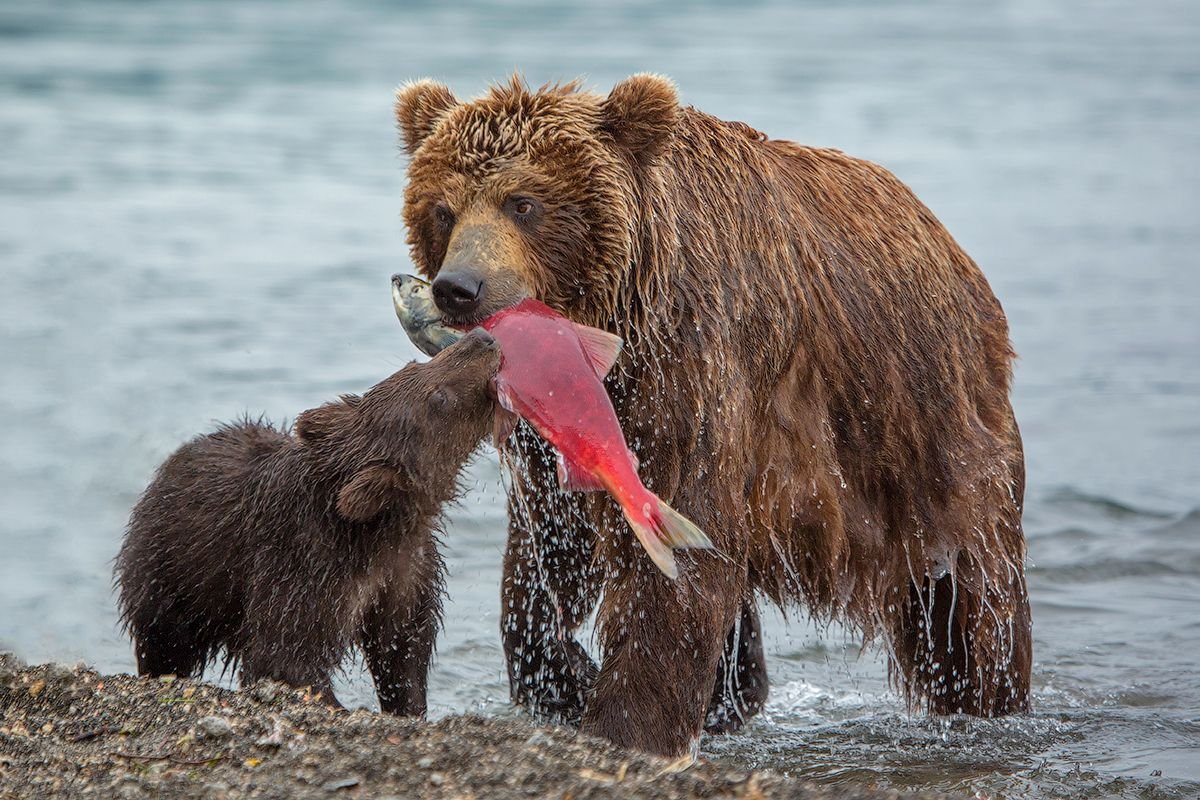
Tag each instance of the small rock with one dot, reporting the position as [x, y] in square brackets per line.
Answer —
[214, 727]
[274, 738]
[340, 783]
[265, 691]
[537, 738]
[437, 779]
[59, 673]
[424, 762]
[127, 788]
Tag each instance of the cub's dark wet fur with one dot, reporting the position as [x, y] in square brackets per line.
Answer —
[284, 549]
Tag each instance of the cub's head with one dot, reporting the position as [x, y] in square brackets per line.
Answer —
[529, 193]
[406, 439]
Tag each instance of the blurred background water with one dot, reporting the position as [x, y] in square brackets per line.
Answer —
[199, 213]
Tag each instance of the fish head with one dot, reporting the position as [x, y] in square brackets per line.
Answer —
[424, 323]
[532, 192]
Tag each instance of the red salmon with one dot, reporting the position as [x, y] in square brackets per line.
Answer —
[551, 373]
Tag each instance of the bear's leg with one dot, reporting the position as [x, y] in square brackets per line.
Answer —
[741, 688]
[164, 645]
[398, 635]
[295, 641]
[544, 598]
[964, 651]
[662, 640]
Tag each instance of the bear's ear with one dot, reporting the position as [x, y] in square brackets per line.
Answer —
[419, 107]
[371, 491]
[640, 113]
[318, 423]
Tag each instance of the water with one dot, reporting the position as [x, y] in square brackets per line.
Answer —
[200, 213]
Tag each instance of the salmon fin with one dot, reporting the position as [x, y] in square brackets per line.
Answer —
[504, 396]
[574, 478]
[504, 422]
[658, 551]
[678, 531]
[664, 532]
[601, 348]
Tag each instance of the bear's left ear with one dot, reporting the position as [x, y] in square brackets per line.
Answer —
[371, 491]
[419, 107]
[640, 113]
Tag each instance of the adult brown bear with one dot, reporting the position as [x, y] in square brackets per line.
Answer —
[814, 372]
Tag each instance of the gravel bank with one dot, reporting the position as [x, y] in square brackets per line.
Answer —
[70, 732]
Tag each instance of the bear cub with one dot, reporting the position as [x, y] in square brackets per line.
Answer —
[282, 550]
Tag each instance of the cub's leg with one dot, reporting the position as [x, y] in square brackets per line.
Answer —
[295, 641]
[165, 644]
[399, 630]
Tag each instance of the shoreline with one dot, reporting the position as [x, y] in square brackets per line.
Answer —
[72, 732]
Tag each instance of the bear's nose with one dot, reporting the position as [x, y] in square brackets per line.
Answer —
[458, 294]
[483, 339]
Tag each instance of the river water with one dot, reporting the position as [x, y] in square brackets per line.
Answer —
[200, 209]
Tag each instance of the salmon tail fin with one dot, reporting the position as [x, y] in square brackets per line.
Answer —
[664, 532]
[678, 531]
[659, 553]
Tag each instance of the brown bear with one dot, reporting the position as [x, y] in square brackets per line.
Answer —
[284, 550]
[815, 373]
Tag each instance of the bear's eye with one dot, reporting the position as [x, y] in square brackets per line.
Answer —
[443, 215]
[524, 208]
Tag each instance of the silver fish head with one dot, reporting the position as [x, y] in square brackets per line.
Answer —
[422, 321]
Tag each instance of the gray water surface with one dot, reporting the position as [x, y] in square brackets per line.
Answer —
[199, 212]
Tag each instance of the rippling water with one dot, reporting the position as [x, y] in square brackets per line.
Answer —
[200, 213]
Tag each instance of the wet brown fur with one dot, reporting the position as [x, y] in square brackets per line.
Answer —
[815, 373]
[282, 551]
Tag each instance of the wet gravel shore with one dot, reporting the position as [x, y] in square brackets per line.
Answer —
[70, 732]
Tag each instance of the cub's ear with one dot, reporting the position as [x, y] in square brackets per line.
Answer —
[419, 107]
[640, 113]
[371, 491]
[317, 423]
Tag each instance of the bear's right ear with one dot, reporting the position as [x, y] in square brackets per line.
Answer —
[318, 423]
[371, 491]
[419, 107]
[640, 113]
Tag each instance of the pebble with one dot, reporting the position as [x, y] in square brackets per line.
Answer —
[340, 783]
[214, 727]
[216, 788]
[425, 762]
[437, 779]
[265, 691]
[127, 788]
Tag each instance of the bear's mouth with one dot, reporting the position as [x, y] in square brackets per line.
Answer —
[476, 318]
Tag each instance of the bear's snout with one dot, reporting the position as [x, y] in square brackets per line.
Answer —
[482, 339]
[458, 294]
